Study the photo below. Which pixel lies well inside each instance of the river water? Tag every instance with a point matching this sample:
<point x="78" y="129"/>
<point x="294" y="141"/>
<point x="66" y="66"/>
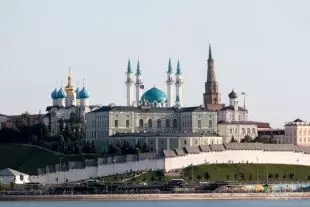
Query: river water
<point x="207" y="203"/>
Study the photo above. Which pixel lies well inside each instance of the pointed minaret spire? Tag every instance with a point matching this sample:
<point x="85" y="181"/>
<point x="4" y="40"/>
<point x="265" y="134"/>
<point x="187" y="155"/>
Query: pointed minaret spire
<point x="129" y="66"/>
<point x="210" y="51"/>
<point x="139" y="84"/>
<point x="169" y="66"/>
<point x="129" y="84"/>
<point x="138" y="68"/>
<point x="179" y="85"/>
<point x="178" y="68"/>
<point x="170" y="84"/>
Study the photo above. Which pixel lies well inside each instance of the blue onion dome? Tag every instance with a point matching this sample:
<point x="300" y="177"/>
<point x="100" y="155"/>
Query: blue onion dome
<point x="61" y="93"/>
<point x="83" y="93"/>
<point x="77" y="92"/>
<point x="54" y="94"/>
<point x="154" y="96"/>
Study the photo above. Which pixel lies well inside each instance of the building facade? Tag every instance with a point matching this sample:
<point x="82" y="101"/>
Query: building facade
<point x="297" y="132"/>
<point x="236" y="131"/>
<point x="165" y="141"/>
<point x="233" y="112"/>
<point x="110" y="120"/>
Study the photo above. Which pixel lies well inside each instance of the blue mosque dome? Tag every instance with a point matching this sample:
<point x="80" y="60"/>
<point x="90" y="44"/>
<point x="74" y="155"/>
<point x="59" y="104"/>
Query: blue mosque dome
<point x="154" y="96"/>
<point x="54" y="94"/>
<point x="83" y="93"/>
<point x="61" y="93"/>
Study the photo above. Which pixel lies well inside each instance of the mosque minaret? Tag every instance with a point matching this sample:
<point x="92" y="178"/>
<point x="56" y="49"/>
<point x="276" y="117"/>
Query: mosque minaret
<point x="139" y="84"/>
<point x="129" y="84"/>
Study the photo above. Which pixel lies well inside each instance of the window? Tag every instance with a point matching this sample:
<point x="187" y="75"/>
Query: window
<point x="167" y="123"/>
<point x="116" y="123"/>
<point x="199" y="123"/>
<point x="243" y="130"/>
<point x="175" y="123"/>
<point x="127" y="123"/>
<point x="158" y="123"/>
<point x="248" y="131"/>
<point x="253" y="131"/>
<point x="150" y="123"/>
<point x="210" y="123"/>
<point x="185" y="142"/>
<point x="141" y="123"/>
<point x="231" y="131"/>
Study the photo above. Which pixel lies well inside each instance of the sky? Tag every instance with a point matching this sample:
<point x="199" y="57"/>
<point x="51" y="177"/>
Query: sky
<point x="259" y="47"/>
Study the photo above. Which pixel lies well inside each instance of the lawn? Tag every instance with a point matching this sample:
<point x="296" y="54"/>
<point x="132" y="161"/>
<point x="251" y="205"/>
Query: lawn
<point x="247" y="172"/>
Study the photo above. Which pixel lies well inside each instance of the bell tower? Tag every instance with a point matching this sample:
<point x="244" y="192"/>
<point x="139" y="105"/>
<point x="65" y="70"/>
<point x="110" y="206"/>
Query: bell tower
<point x="212" y="96"/>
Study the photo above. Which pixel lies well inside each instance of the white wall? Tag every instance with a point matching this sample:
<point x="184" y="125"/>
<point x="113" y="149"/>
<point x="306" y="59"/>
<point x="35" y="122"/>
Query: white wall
<point x="100" y="171"/>
<point x="168" y="164"/>
<point x="15" y="179"/>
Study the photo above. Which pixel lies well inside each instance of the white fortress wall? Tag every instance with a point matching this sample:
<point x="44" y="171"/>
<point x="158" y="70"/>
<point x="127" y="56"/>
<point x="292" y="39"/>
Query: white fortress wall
<point x="106" y="167"/>
<point x="237" y="156"/>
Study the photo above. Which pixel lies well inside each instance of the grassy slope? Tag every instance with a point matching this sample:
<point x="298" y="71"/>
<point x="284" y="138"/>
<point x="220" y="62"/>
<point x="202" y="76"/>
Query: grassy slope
<point x="234" y="172"/>
<point x="221" y="172"/>
<point x="27" y="159"/>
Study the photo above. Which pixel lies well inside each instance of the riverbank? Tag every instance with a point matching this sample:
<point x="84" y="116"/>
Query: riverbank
<point x="163" y="197"/>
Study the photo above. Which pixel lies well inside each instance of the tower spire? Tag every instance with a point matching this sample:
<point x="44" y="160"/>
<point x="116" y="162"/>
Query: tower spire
<point x="129" y="66"/>
<point x="210" y="51"/>
<point x="212" y="97"/>
<point x="138" y="68"/>
<point x="178" y="68"/>
<point x="169" y="66"/>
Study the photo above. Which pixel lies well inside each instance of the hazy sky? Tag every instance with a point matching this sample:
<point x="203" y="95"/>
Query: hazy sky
<point x="260" y="47"/>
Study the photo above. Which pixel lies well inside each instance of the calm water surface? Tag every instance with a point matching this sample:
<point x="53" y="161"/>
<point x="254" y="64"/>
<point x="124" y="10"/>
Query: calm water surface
<point x="245" y="203"/>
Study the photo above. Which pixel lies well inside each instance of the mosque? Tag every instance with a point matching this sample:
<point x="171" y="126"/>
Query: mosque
<point x="158" y="118"/>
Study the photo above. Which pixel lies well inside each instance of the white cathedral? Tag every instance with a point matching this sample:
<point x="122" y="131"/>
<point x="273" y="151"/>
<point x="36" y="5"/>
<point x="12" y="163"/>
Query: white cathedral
<point x="65" y="102"/>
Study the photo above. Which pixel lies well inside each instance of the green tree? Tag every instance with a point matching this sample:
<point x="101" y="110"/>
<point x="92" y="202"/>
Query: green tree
<point x="247" y="138"/>
<point x="277" y="176"/>
<point x="207" y="176"/>
<point x="270" y="175"/>
<point x="250" y="176"/>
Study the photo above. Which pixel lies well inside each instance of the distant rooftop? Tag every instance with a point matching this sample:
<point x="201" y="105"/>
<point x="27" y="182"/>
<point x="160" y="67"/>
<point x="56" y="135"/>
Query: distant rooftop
<point x="154" y="134"/>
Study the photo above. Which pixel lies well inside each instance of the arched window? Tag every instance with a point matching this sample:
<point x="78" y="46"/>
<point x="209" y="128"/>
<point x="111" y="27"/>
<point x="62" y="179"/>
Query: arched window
<point x="141" y="123"/>
<point x="150" y="122"/>
<point x="168" y="123"/>
<point x="158" y="123"/>
<point x="175" y="123"/>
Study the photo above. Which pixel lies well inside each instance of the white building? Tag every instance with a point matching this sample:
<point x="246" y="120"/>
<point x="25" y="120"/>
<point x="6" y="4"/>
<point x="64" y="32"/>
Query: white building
<point x="297" y="132"/>
<point x="165" y="141"/>
<point x="8" y="176"/>
<point x="110" y="120"/>
<point x="233" y="112"/>
<point x="237" y="130"/>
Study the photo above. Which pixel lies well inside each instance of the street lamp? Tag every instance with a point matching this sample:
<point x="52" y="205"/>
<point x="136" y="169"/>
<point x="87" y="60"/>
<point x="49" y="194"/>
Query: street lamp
<point x="61" y="167"/>
<point x="257" y="169"/>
